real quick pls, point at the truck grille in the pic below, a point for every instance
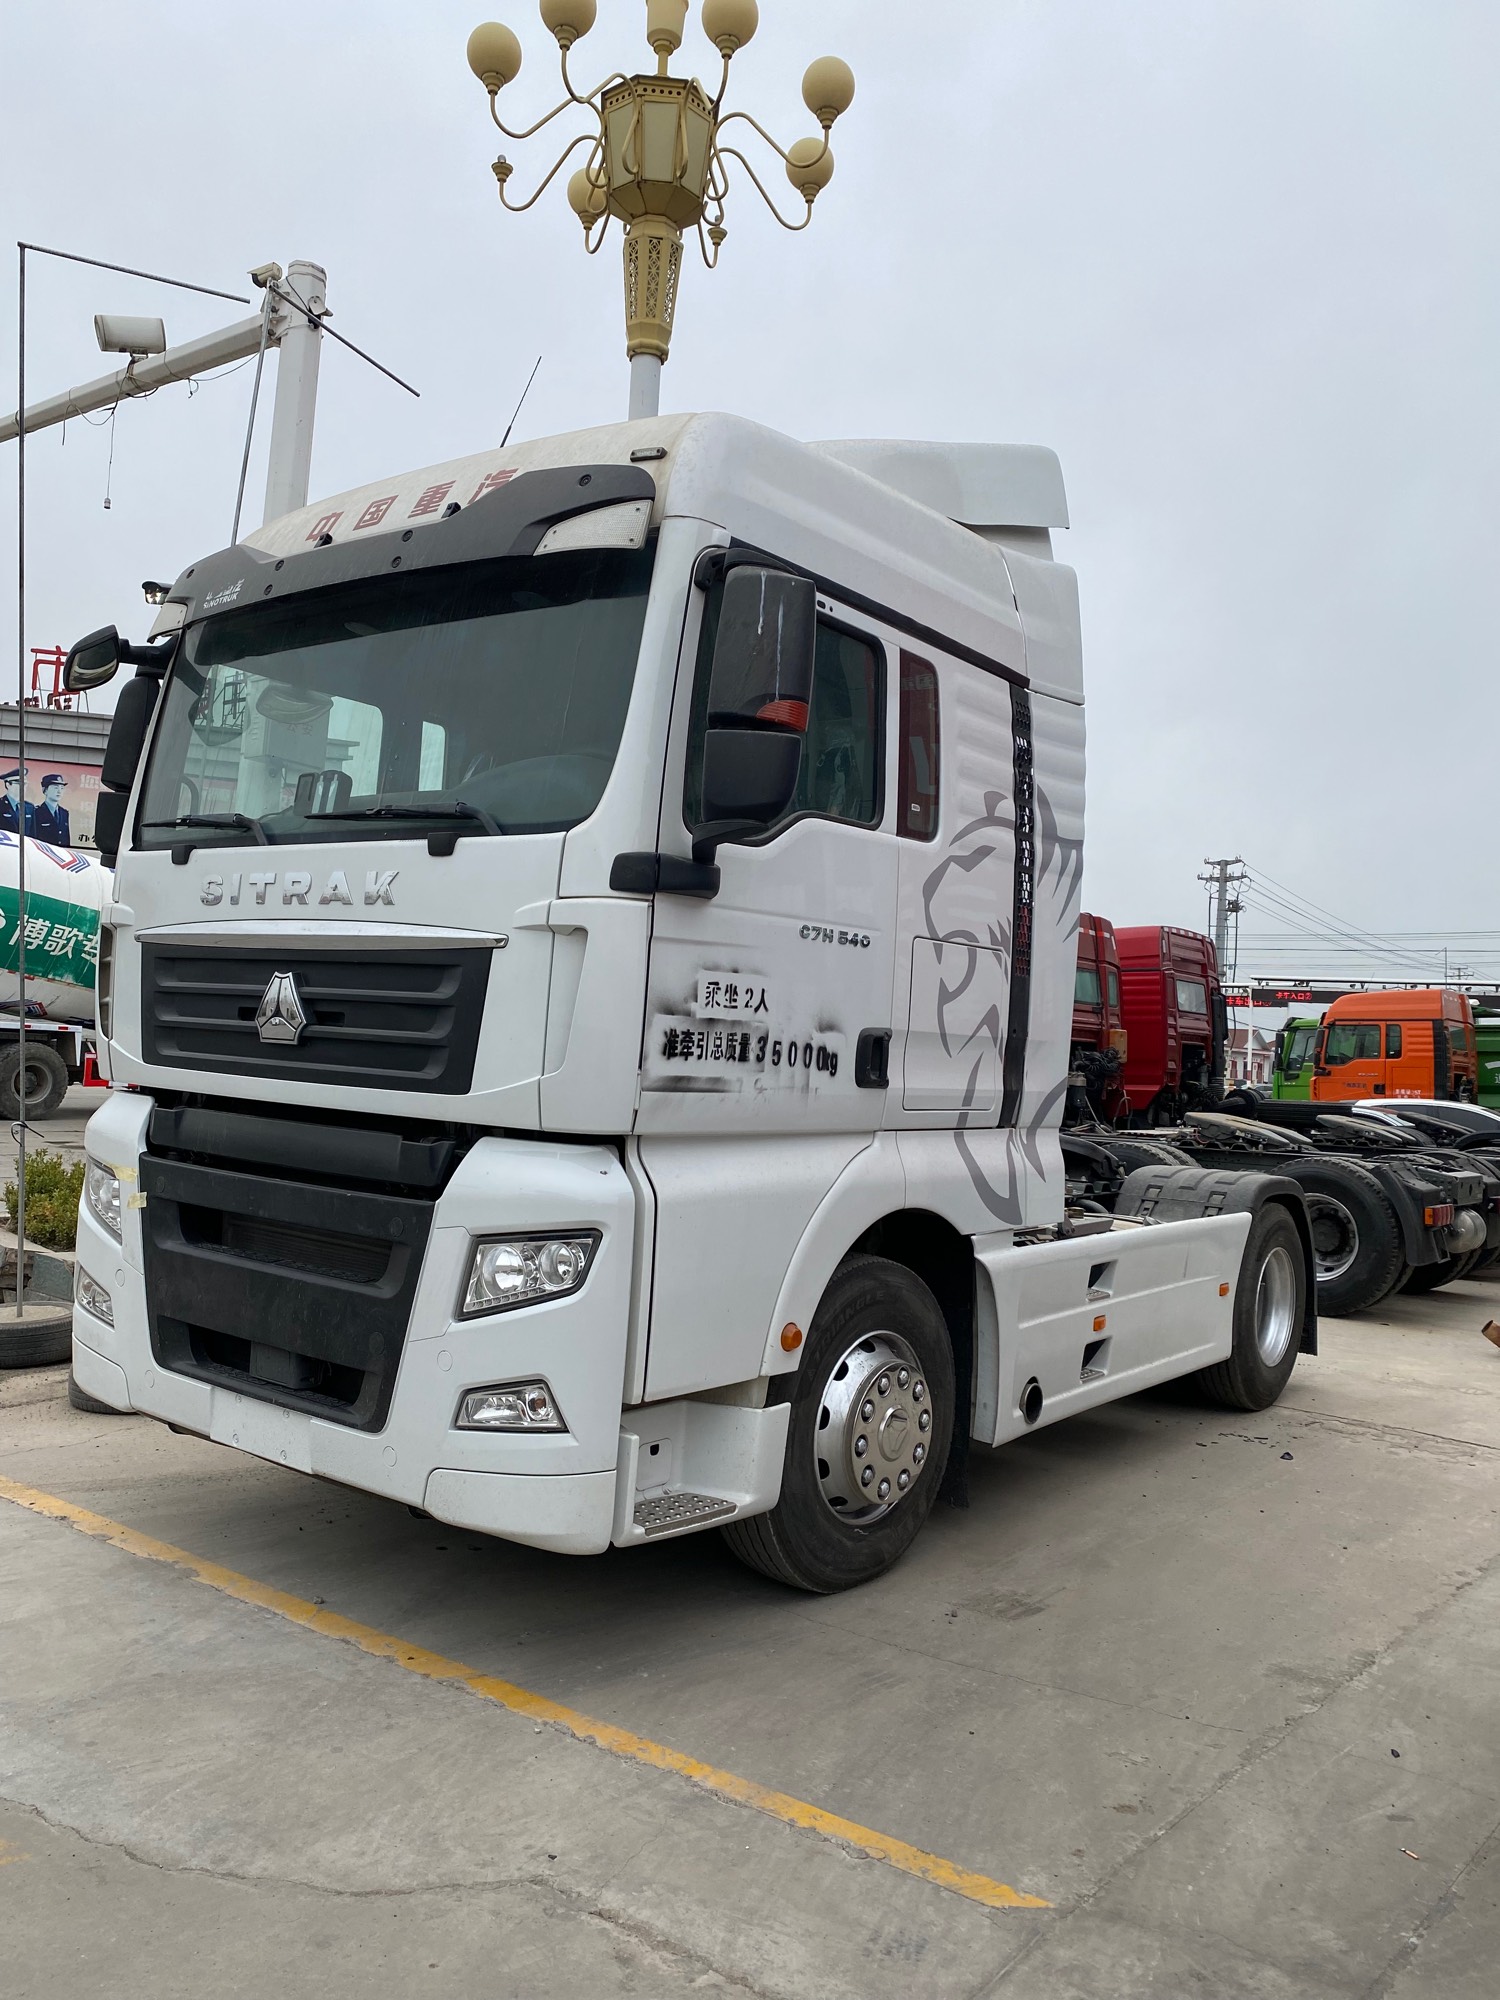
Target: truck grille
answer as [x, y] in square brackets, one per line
[297, 1294]
[378, 1020]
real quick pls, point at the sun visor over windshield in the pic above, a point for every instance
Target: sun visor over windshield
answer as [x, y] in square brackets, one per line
[512, 520]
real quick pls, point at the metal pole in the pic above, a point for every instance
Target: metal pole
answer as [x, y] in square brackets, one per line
[290, 465]
[645, 386]
[21, 760]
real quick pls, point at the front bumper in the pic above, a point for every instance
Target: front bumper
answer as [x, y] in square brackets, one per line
[554, 1491]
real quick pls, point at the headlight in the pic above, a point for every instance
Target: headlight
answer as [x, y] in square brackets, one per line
[519, 1270]
[513, 1406]
[102, 1191]
[92, 1296]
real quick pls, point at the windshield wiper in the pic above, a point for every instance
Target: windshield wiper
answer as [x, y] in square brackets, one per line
[250, 825]
[442, 810]
[440, 842]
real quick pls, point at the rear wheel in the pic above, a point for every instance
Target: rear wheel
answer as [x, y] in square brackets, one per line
[1447, 1271]
[46, 1081]
[1358, 1254]
[872, 1419]
[1269, 1304]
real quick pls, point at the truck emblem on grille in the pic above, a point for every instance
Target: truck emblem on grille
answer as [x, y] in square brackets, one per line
[281, 1017]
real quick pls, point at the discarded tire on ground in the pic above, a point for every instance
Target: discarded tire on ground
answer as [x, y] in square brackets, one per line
[1358, 1252]
[40, 1340]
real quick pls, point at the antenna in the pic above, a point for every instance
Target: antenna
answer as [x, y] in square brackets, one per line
[517, 411]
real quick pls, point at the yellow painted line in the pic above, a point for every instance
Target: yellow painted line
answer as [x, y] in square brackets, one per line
[520, 1701]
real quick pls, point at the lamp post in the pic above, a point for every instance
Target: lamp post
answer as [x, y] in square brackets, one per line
[655, 157]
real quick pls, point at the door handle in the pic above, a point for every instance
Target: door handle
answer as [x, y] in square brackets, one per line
[872, 1059]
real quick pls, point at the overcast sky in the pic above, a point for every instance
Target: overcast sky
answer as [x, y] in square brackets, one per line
[1234, 259]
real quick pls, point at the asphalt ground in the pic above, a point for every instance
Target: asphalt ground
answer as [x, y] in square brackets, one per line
[1212, 1699]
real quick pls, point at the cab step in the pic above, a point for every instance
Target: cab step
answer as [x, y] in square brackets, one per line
[661, 1512]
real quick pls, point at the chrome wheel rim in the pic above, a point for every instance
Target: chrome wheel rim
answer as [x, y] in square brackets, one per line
[1275, 1306]
[874, 1429]
[1335, 1236]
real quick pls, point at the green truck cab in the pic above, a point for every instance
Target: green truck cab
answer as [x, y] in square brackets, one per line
[1291, 1074]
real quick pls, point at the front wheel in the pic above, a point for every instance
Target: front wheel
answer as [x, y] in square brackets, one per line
[871, 1423]
[1269, 1305]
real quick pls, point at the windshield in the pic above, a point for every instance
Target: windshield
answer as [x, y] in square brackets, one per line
[1297, 1049]
[494, 693]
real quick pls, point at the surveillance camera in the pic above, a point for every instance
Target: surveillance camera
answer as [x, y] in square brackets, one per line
[118, 335]
[265, 274]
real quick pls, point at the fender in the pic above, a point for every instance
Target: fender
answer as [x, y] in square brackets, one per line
[1174, 1194]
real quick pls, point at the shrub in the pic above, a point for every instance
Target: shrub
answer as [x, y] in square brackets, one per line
[53, 1189]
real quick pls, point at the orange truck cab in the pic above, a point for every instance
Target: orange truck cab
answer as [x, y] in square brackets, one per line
[1417, 1044]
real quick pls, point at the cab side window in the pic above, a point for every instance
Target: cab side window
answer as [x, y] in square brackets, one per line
[841, 750]
[1351, 1041]
[1393, 1038]
[917, 808]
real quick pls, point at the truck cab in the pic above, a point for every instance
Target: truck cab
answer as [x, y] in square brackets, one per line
[1292, 1069]
[1175, 1018]
[1397, 1044]
[588, 990]
[1100, 1043]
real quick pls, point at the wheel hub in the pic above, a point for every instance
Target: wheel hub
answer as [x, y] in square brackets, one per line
[874, 1426]
[1335, 1236]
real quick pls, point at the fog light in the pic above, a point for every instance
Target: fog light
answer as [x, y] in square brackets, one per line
[92, 1296]
[518, 1270]
[101, 1190]
[514, 1406]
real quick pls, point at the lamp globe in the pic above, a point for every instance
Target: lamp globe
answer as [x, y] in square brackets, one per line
[729, 24]
[494, 55]
[809, 166]
[569, 20]
[828, 89]
[586, 198]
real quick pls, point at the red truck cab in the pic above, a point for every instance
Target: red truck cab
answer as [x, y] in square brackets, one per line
[1099, 1040]
[1175, 1020]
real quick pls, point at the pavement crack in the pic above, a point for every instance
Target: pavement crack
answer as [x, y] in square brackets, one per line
[579, 1902]
[1441, 1906]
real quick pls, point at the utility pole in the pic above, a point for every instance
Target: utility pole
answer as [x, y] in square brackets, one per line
[1221, 879]
[1223, 906]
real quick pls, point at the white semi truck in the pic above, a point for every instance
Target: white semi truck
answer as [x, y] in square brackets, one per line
[588, 994]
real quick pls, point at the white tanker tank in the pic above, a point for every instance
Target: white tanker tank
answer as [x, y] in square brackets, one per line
[65, 890]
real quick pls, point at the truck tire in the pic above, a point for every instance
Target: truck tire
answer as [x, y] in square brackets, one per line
[1447, 1271]
[1133, 1152]
[46, 1081]
[80, 1399]
[1358, 1253]
[872, 1419]
[1269, 1304]
[37, 1342]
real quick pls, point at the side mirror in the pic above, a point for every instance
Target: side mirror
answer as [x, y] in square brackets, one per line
[749, 775]
[128, 731]
[760, 684]
[92, 661]
[763, 654]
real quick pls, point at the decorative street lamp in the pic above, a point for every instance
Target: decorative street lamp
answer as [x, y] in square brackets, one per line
[656, 157]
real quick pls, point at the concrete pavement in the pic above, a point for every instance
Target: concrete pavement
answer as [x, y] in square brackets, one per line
[1155, 1675]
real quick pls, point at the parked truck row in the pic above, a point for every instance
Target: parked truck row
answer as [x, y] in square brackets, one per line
[1408, 1200]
